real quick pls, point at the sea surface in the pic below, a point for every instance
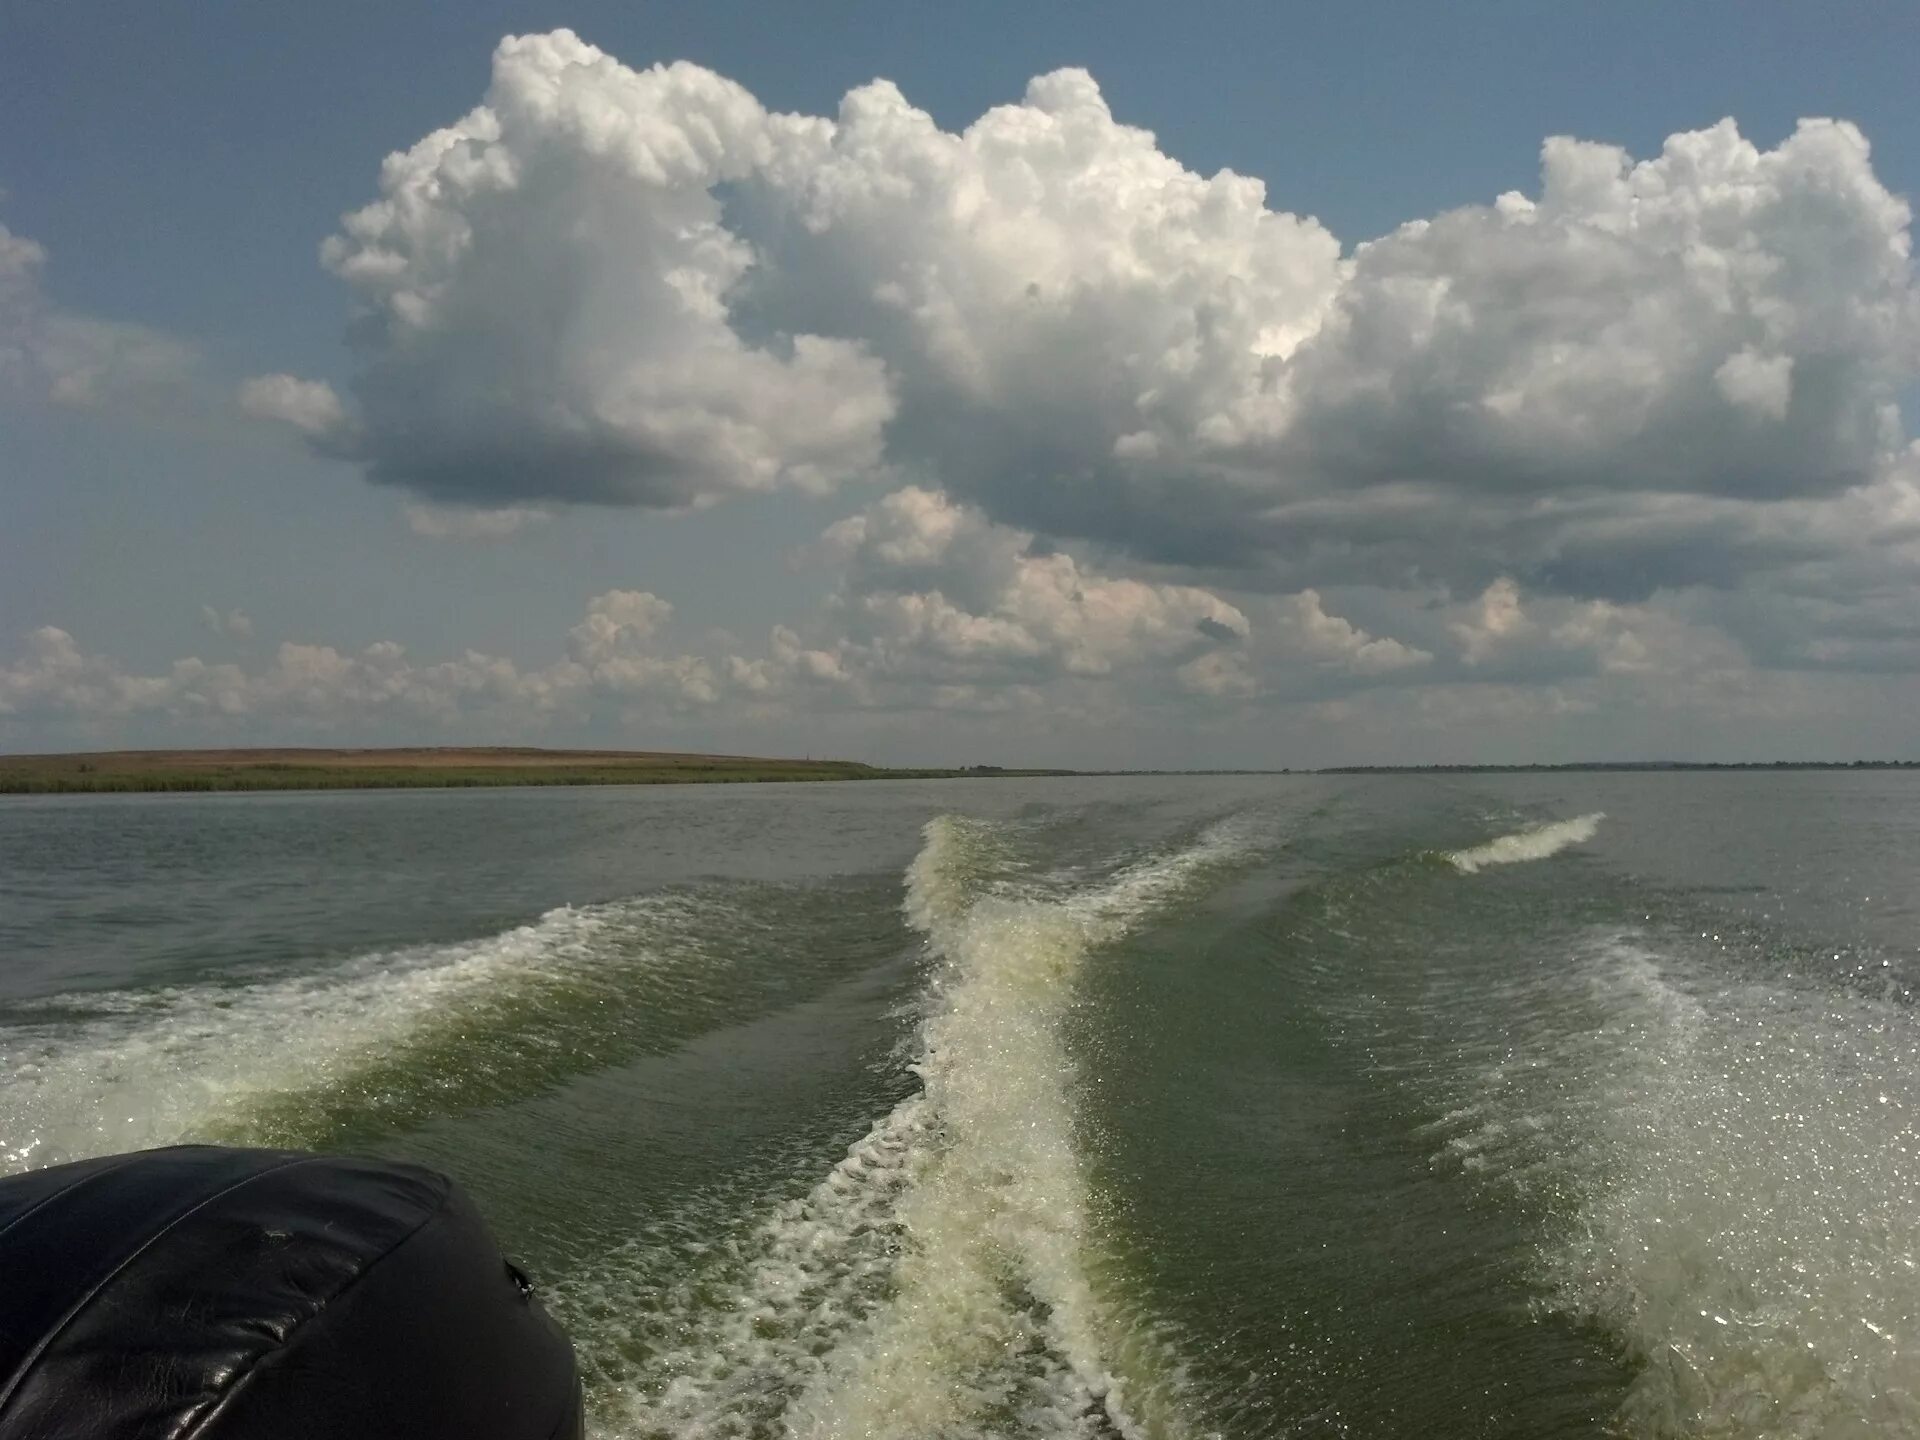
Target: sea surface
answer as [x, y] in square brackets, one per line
[1435, 1106]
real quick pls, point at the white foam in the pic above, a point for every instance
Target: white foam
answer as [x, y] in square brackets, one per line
[722, 1350]
[1757, 1237]
[156, 1067]
[999, 1247]
[940, 1281]
[1537, 842]
[1743, 1160]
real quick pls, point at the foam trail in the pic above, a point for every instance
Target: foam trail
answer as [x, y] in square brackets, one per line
[146, 1068]
[1743, 1158]
[997, 1227]
[941, 1280]
[721, 1350]
[1756, 1238]
[1537, 842]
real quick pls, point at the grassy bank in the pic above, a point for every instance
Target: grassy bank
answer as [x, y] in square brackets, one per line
[215, 770]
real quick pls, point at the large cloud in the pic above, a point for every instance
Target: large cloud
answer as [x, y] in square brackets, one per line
[1649, 350]
[1718, 320]
[640, 287]
[543, 299]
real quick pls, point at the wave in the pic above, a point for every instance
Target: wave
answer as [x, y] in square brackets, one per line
[942, 1279]
[381, 1039]
[1754, 1235]
[1537, 842]
[1741, 1164]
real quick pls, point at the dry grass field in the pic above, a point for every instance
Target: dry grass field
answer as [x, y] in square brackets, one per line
[324, 769]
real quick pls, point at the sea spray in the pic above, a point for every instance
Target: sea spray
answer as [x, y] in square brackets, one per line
[1756, 1239]
[1538, 842]
[1730, 1166]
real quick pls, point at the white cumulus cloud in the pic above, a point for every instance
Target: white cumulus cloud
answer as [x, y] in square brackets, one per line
[233, 623]
[1504, 637]
[935, 588]
[614, 655]
[641, 287]
[545, 294]
[311, 407]
[1307, 630]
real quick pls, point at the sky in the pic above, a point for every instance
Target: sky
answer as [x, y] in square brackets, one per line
[1221, 385]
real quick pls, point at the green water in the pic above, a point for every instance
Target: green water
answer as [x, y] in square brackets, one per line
[1307, 1106]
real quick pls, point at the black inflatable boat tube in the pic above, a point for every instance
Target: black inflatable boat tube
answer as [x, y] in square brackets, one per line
[204, 1293]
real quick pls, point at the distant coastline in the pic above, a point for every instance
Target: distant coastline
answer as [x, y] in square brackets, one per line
[442, 767]
[1619, 765]
[463, 767]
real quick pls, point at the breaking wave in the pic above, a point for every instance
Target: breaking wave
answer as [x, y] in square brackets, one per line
[1537, 842]
[378, 1040]
[1742, 1158]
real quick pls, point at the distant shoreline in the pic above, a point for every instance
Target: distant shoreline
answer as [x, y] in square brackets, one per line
[1619, 766]
[439, 768]
[467, 767]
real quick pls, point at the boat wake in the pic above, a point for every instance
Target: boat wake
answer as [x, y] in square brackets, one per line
[377, 1040]
[942, 1280]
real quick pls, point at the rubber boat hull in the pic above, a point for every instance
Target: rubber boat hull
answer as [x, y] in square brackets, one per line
[205, 1293]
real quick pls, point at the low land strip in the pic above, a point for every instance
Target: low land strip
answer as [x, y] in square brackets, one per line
[440, 767]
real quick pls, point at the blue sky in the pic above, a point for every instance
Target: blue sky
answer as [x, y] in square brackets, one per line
[1678, 541]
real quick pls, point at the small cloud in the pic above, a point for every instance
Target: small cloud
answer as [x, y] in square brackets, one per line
[20, 258]
[235, 623]
[939, 589]
[1310, 632]
[1494, 619]
[458, 522]
[311, 407]
[618, 623]
[107, 364]
[1218, 675]
[81, 361]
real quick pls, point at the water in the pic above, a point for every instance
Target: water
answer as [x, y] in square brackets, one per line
[1306, 1106]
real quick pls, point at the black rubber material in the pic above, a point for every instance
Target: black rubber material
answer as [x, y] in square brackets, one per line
[202, 1293]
